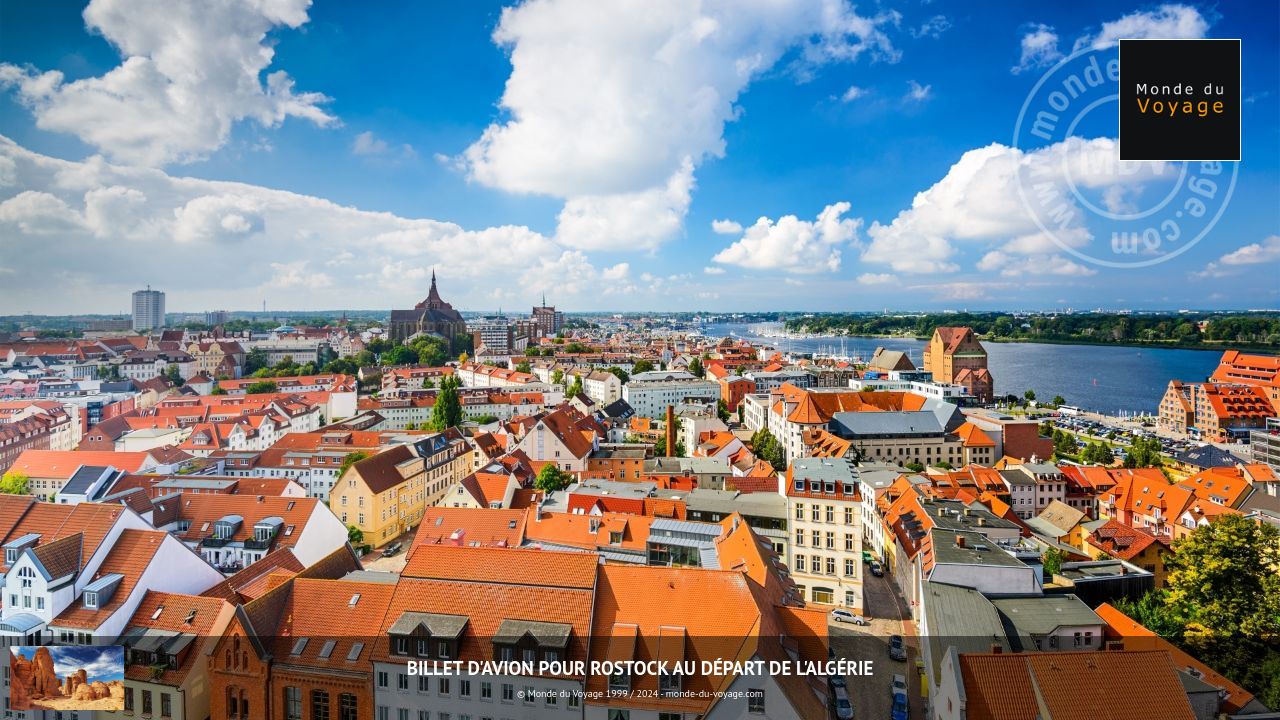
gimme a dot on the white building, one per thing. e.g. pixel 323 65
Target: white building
pixel 824 503
pixel 650 397
pixel 148 310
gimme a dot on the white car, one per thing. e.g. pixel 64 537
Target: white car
pixel 845 616
pixel 899 685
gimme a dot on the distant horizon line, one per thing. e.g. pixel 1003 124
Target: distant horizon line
pixel 498 311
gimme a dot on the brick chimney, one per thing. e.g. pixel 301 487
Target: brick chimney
pixel 671 431
pixel 960 541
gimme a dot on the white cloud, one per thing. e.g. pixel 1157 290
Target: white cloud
pixel 726 227
pixel 243 241
pixel 933 27
pixel 370 145
pixel 191 70
pixel 712 270
pixel 876 278
pixel 1259 253
pixel 917 92
pixel 853 93
pixel 978 202
pixel 627 221
pixel 1013 266
pixel 1169 21
pixel 366 143
pixel 794 245
pixel 624 101
pixel 1039 49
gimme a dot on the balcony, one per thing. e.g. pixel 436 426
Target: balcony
pixel 215 542
pixel 258 544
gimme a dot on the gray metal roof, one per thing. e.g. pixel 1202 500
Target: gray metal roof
pixel 961 617
pixel 978 550
pixel 1044 614
pixel 833 470
pixel 22 622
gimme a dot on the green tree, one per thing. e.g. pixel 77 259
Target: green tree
pixel 722 410
pixel 914 467
pixel 447 411
pixel 1144 452
pixel 523 366
pixel 1052 560
pixel 1030 395
pixel 400 355
pixel 171 372
pixel 619 373
pixel 641 366
pixel 15 483
pixel 218 390
pixel 695 367
pixel 767 448
pixel 1059 401
pixel 351 459
pixel 575 388
pixel 551 478
pixel 1223 580
pixel 261 387
pixel 255 360
pixel 486 419
pixel 355 535
pixel 557 376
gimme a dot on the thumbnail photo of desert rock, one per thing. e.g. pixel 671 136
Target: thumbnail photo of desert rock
pixel 35 685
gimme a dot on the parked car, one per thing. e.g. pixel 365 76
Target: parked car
pixel 837 681
pixel 899 709
pixel 844 710
pixel 897 650
pixel 898 685
pixel 392 549
pixel 839 615
pixel 877 569
pixel 866 556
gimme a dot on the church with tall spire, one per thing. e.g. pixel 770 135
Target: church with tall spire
pixel 432 316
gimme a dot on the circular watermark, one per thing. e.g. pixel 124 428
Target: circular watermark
pixel 1083 197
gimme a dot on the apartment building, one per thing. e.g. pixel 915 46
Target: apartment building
pixel 824 503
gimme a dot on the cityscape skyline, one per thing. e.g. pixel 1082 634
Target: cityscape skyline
pixel 297 181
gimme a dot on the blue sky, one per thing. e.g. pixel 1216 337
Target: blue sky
pixel 806 128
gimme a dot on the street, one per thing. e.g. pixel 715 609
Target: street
pixel 885 609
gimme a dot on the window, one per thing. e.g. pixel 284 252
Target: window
pixel 402 681
pixel 442 649
pixel 319 705
pixel 464 688
pixel 574 701
pixel 848 542
pixel 402 646
pixel 849 570
pixel 831 541
pixel 444 686
pixel 800 563
pixel 402 714
pixel 800 538
pixel 128 699
pixel 486 691
pixel 619 714
pixel 528 695
pixel 831 513
pixel 755 701
pixel 799 509
pixel 815 513
pixel 384 713
pixel 831 566
pixel 817 538
pixel 383 679
pixel 347 709
pixel 292 703
pixel 620 682
pixel 508 692
pixel 668 684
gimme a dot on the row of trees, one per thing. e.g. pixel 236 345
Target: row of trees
pixel 1253 328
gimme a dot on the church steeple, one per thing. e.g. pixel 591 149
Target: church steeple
pixel 433 297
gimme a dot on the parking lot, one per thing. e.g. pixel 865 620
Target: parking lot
pixel 1122 432
pixel 870 696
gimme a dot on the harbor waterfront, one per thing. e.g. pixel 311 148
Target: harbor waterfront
pixel 1111 380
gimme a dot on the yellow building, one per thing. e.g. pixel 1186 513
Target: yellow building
pixel 385 495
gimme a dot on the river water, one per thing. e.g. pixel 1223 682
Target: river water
pixel 1100 378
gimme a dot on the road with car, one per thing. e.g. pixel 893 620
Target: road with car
pixel 870 636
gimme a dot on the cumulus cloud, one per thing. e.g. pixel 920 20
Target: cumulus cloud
pixel 190 70
pixel 1039 49
pixel 1169 21
pixel 1259 253
pixel 366 143
pixel 625 100
pixel 978 203
pixel 726 227
pixel 238 240
pixel 795 245
pixel 638 220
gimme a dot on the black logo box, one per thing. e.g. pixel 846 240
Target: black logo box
pixel 1193 66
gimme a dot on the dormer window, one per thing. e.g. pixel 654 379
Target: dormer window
pixel 669 683
pixel 402 646
pixel 91 600
pixel 620 682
